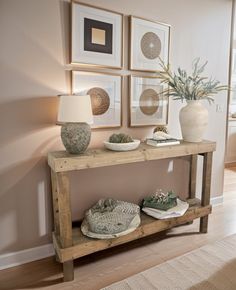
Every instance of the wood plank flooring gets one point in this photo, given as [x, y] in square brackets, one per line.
[98, 270]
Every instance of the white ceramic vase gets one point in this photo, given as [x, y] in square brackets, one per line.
[193, 120]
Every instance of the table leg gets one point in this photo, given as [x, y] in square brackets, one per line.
[62, 217]
[68, 271]
[192, 179]
[55, 203]
[193, 176]
[206, 188]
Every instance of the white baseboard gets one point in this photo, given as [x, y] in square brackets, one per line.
[33, 254]
[21, 257]
[217, 200]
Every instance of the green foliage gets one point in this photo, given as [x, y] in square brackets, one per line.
[190, 87]
[120, 138]
[161, 128]
[161, 200]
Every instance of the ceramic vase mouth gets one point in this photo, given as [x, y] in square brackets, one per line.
[193, 101]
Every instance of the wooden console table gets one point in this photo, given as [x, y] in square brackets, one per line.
[69, 243]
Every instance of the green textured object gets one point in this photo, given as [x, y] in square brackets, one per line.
[111, 216]
[120, 138]
[161, 201]
[161, 128]
[76, 137]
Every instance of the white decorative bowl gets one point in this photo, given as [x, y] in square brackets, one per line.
[122, 146]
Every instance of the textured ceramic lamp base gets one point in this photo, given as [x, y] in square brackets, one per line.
[76, 137]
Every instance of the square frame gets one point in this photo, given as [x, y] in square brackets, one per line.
[106, 91]
[144, 116]
[149, 34]
[107, 54]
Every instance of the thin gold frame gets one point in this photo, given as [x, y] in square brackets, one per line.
[121, 96]
[130, 102]
[81, 64]
[131, 39]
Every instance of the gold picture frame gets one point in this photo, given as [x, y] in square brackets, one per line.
[93, 58]
[157, 34]
[147, 91]
[101, 86]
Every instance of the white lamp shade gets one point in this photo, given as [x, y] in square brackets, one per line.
[75, 109]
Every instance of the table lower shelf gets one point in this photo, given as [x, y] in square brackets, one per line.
[83, 245]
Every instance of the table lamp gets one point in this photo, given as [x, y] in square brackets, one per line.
[75, 115]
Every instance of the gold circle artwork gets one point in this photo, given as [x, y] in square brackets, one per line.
[148, 102]
[151, 45]
[100, 100]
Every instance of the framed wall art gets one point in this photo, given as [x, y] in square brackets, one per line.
[148, 105]
[148, 41]
[97, 36]
[105, 91]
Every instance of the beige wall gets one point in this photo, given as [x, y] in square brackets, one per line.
[33, 70]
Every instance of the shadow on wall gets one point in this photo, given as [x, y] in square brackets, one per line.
[25, 196]
[32, 60]
[28, 132]
[21, 117]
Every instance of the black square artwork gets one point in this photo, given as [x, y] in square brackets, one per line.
[97, 36]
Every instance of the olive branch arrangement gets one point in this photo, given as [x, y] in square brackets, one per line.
[189, 87]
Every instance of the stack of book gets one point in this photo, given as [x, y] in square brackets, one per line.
[159, 143]
[177, 211]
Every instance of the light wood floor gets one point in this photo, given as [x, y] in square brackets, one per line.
[101, 269]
